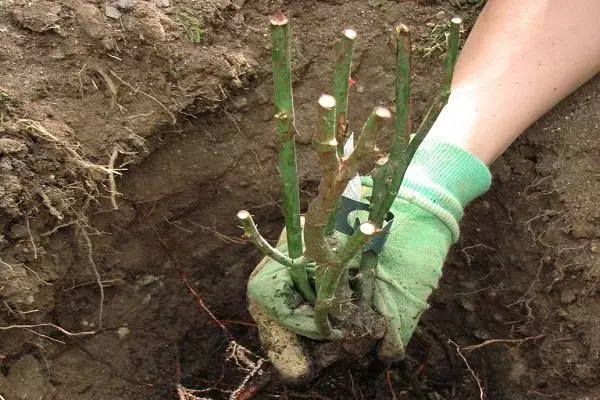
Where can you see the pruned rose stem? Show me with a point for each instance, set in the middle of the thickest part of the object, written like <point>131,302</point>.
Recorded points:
<point>330,264</point>
<point>284,119</point>
<point>389,176</point>
<point>337,169</point>
<point>251,232</point>
<point>341,84</point>
<point>442,98</point>
<point>453,43</point>
<point>329,277</point>
<point>317,217</point>
<point>333,184</point>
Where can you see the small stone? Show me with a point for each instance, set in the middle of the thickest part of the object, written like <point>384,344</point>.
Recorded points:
<point>595,248</point>
<point>562,313</point>
<point>145,21</point>
<point>125,5</point>
<point>112,12</point>
<point>238,19</point>
<point>57,54</point>
<point>162,3</point>
<point>467,305</point>
<point>146,280</point>
<point>360,88</point>
<point>91,20</point>
<point>481,334</point>
<point>5,164</point>
<point>123,332</point>
<point>10,146</point>
<point>236,83</point>
<point>239,102</point>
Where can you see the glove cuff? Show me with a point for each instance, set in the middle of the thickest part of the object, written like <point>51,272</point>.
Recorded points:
<point>442,179</point>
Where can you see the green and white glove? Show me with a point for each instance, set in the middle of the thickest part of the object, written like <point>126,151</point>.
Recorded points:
<point>441,180</point>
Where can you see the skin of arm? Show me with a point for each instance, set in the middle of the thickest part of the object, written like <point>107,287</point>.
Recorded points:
<point>520,60</point>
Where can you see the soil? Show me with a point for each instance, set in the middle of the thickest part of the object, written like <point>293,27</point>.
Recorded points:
<point>133,131</point>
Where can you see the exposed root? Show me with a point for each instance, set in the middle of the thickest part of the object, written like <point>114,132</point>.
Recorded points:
<point>94,269</point>
<point>468,256</point>
<point>173,119</point>
<point>241,356</point>
<point>540,214</point>
<point>35,273</point>
<point>48,203</point>
<point>49,325</point>
<point>493,341</point>
<point>112,88</point>
<point>211,230</point>
<point>43,133</point>
<point>111,177</point>
<point>473,374</point>
<point>34,248</point>
<point>38,130</point>
<point>58,227</point>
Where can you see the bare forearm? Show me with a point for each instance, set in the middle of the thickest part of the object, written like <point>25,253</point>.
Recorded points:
<point>521,58</point>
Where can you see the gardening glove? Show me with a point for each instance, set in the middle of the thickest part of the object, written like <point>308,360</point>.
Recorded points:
<point>441,180</point>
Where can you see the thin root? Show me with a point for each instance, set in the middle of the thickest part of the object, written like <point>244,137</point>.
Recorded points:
<point>473,374</point>
<point>493,341</point>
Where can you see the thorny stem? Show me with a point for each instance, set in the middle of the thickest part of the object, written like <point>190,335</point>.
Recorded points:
<point>364,147</point>
<point>330,265</point>
<point>251,232</point>
<point>284,118</point>
<point>453,42</point>
<point>403,71</point>
<point>442,98</point>
<point>341,84</point>
<point>315,228</point>
<point>332,187</point>
<point>389,176</point>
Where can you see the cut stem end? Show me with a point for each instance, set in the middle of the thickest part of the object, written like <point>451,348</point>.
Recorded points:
<point>243,215</point>
<point>368,228</point>
<point>279,19</point>
<point>383,113</point>
<point>456,20</point>
<point>327,102</point>
<point>350,34</point>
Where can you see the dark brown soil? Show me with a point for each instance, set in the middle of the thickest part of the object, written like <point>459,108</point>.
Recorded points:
<point>171,99</point>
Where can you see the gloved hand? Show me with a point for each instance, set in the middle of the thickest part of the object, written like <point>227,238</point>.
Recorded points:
<point>441,180</point>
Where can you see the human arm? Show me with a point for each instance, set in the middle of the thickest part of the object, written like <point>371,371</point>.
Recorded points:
<point>520,59</point>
